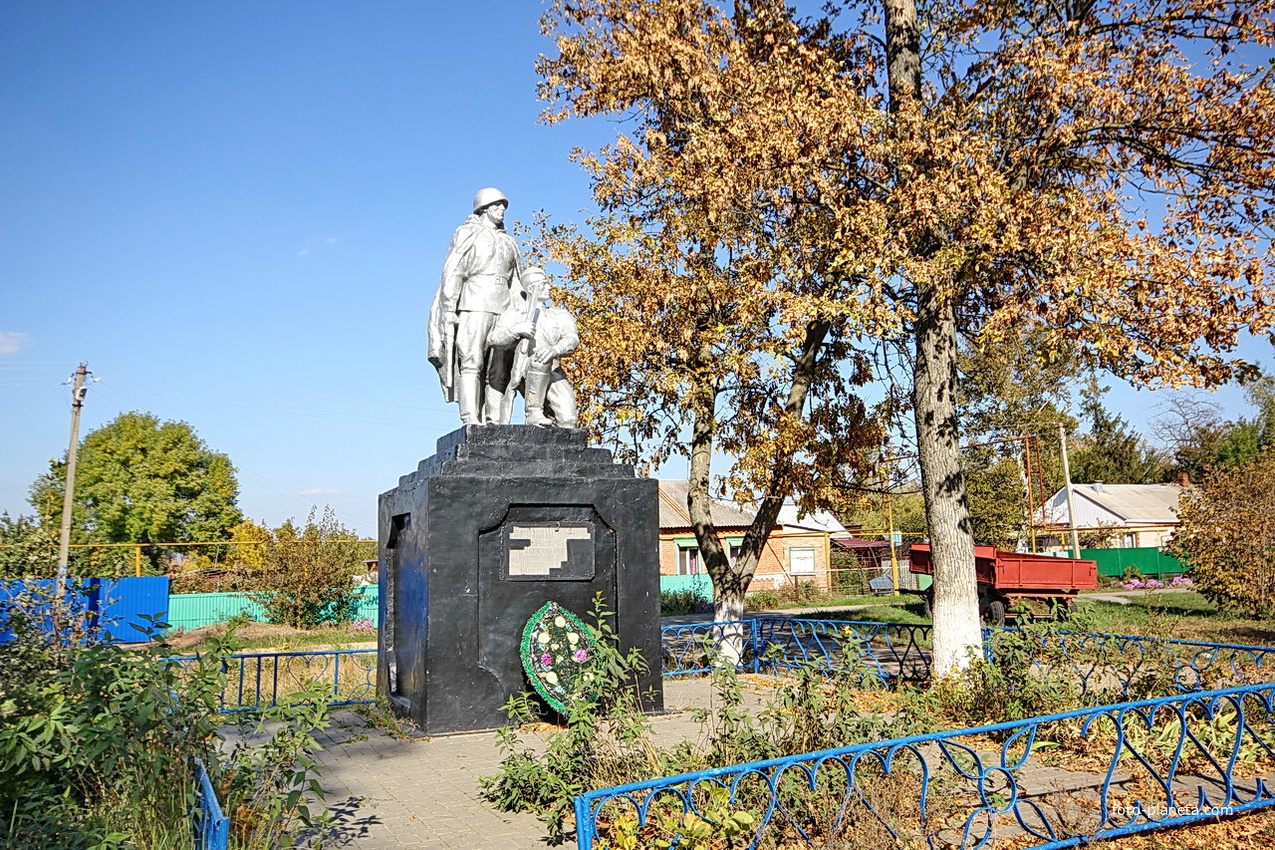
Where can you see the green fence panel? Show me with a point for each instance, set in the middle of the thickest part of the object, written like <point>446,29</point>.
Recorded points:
<point>1149,560</point>
<point>193,610</point>
<point>701,584</point>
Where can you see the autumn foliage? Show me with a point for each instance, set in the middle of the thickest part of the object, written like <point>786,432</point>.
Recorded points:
<point>794,208</point>
<point>1227,537</point>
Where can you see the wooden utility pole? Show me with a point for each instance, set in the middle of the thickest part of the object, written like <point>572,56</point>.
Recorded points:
<point>68,493</point>
<point>1071,502</point>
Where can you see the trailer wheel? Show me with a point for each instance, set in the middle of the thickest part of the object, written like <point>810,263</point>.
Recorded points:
<point>996,613</point>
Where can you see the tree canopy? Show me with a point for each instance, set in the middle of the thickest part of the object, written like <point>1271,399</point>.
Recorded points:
<point>140,480</point>
<point>1099,174</point>
<point>714,324</point>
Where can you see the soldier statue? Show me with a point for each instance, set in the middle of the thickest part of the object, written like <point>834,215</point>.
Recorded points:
<point>482,277</point>
<point>539,335</point>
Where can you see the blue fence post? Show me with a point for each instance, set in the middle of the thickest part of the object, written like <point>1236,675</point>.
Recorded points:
<point>756,654</point>
<point>212,827</point>
<point>585,832</point>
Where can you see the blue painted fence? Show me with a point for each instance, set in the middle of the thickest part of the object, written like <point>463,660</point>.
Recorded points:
<point>1105,668</point>
<point>1195,755</point>
<point>260,680</point>
<point>887,654</point>
<point>121,609</point>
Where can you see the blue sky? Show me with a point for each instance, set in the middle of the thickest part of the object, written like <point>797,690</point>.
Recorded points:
<point>236,213</point>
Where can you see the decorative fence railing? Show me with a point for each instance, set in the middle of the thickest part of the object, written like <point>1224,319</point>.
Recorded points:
<point>1114,770</point>
<point>1111,668</point>
<point>888,652</point>
<point>212,827</point>
<point>259,680</point>
<point>905,777</point>
<point>1105,668</point>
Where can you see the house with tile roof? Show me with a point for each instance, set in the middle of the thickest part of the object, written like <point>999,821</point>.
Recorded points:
<point>1134,515</point>
<point>799,548</point>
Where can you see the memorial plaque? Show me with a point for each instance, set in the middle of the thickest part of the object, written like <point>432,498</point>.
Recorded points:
<point>544,551</point>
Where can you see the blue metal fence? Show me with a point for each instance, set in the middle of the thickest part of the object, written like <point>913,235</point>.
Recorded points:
<point>260,680</point>
<point>117,609</point>
<point>1108,668</point>
<point>212,827</point>
<point>1121,667</point>
<point>1160,762</point>
<point>1104,667</point>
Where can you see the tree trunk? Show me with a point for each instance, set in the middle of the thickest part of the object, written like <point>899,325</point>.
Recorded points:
<point>731,581</point>
<point>957,635</point>
<point>729,585</point>
<point>955,594</point>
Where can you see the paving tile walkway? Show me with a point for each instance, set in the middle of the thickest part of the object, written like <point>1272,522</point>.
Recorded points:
<point>423,793</point>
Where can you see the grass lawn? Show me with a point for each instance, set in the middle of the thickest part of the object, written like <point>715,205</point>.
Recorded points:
<point>1184,615</point>
<point>907,610</point>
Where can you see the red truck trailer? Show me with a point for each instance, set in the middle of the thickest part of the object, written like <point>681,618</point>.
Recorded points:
<point>1006,580</point>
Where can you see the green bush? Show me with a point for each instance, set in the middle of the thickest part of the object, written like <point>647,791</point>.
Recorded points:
<point>309,573</point>
<point>766,600</point>
<point>677,602</point>
<point>98,742</point>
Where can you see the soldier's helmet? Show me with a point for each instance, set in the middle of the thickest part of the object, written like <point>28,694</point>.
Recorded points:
<point>487,197</point>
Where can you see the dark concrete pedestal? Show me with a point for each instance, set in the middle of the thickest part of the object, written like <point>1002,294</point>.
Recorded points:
<point>501,520</point>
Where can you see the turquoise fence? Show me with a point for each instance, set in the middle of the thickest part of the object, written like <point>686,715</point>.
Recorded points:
<point>701,584</point>
<point>192,610</point>
<point>1148,560</point>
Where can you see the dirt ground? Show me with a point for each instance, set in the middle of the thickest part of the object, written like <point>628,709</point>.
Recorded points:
<point>264,637</point>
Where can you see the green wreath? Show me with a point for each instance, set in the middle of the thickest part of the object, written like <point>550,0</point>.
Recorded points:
<point>559,654</point>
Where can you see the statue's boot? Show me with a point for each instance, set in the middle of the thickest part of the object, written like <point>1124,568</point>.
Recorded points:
<point>468,391</point>
<point>537,382</point>
<point>493,403</point>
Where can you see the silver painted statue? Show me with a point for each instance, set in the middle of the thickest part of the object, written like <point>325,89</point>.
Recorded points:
<point>538,335</point>
<point>482,277</point>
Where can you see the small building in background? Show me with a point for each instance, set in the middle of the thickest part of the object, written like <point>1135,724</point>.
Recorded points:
<point>1113,516</point>
<point>798,549</point>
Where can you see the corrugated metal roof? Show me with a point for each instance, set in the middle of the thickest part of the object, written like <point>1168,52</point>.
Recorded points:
<point>674,513</point>
<point>1134,504</point>
<point>789,517</point>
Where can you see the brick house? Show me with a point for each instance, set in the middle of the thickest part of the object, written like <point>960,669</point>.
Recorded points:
<point>799,549</point>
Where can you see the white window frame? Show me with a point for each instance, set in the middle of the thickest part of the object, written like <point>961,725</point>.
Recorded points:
<point>792,560</point>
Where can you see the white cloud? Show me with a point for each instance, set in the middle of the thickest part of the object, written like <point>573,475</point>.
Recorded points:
<point>320,491</point>
<point>11,342</point>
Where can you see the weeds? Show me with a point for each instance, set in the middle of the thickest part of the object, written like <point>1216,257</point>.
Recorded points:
<point>97,741</point>
<point>674,603</point>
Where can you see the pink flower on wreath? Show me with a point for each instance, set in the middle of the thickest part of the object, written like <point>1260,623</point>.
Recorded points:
<point>581,656</point>
<point>546,660</point>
